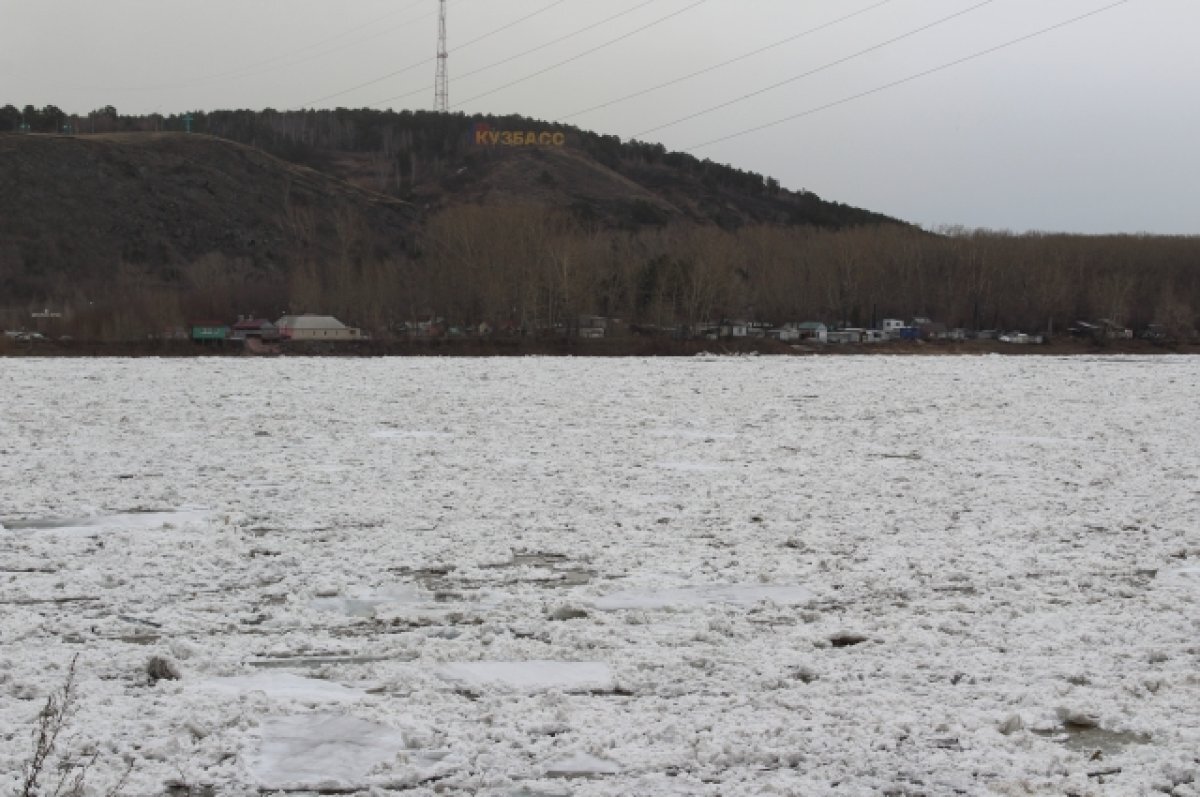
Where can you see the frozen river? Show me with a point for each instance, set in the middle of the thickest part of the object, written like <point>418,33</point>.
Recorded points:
<point>712,576</point>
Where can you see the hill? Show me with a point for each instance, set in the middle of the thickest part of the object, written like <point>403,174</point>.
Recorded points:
<point>78,209</point>
<point>360,213</point>
<point>386,218</point>
<point>439,160</point>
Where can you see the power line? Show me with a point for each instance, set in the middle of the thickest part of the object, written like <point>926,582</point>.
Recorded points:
<point>526,52</point>
<point>812,72</point>
<point>583,54</point>
<point>251,69</point>
<point>724,64</point>
<point>427,61</point>
<point>908,79</point>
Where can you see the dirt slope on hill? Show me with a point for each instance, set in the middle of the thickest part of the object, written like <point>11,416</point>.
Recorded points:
<point>613,193</point>
<point>438,160</point>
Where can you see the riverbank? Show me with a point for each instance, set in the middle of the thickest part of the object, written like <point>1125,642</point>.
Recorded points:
<point>613,347</point>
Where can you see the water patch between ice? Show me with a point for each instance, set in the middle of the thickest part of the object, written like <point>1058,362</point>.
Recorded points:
<point>1094,740</point>
<point>322,752</point>
<point>703,595</point>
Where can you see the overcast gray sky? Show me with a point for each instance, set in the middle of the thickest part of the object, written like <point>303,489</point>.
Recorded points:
<point>1093,127</point>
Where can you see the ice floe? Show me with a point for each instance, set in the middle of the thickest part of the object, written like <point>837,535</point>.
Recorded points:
<point>530,676</point>
<point>581,765</point>
<point>1181,576</point>
<point>322,752</point>
<point>364,602</point>
<point>116,521</point>
<point>281,686</point>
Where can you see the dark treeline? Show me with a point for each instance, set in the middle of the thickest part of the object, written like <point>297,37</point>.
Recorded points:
<point>521,268</point>
<point>493,263</point>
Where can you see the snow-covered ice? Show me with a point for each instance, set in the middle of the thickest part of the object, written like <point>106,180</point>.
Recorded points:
<point>321,751</point>
<point>361,602</point>
<point>117,521</point>
<point>697,596</point>
<point>281,686</point>
<point>530,676</point>
<point>581,765</point>
<point>719,576</point>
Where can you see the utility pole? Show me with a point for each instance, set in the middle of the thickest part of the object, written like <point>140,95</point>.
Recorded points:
<point>441,85</point>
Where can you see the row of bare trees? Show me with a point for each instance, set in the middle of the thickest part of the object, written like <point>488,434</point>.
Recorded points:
<point>523,267</point>
<point>486,263</point>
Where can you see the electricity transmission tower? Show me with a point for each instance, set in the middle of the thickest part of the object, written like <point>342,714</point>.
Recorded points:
<point>441,84</point>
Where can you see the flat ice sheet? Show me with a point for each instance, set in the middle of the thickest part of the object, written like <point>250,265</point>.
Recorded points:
<point>581,765</point>
<point>281,686</point>
<point>321,751</point>
<point>118,521</point>
<point>530,676</point>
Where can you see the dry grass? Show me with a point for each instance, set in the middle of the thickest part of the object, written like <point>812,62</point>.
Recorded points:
<point>53,720</point>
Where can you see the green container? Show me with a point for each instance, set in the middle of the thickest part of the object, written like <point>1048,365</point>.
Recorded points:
<point>205,332</point>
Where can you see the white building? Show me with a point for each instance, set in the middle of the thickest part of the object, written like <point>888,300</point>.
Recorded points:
<point>812,330</point>
<point>315,327</point>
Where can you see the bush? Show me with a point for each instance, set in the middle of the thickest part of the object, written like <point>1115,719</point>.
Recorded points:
<point>52,720</point>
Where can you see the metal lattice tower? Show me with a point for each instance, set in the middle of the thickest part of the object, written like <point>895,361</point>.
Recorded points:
<point>441,84</point>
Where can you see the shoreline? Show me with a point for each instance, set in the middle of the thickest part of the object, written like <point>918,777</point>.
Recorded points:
<point>605,348</point>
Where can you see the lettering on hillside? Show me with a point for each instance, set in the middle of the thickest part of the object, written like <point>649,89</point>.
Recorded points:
<point>485,136</point>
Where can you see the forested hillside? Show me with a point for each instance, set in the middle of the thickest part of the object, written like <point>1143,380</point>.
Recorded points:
<point>435,159</point>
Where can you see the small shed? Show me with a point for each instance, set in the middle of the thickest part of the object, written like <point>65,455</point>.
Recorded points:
<point>813,330</point>
<point>259,328</point>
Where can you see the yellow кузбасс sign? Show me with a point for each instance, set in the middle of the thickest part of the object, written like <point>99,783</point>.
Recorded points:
<point>483,135</point>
